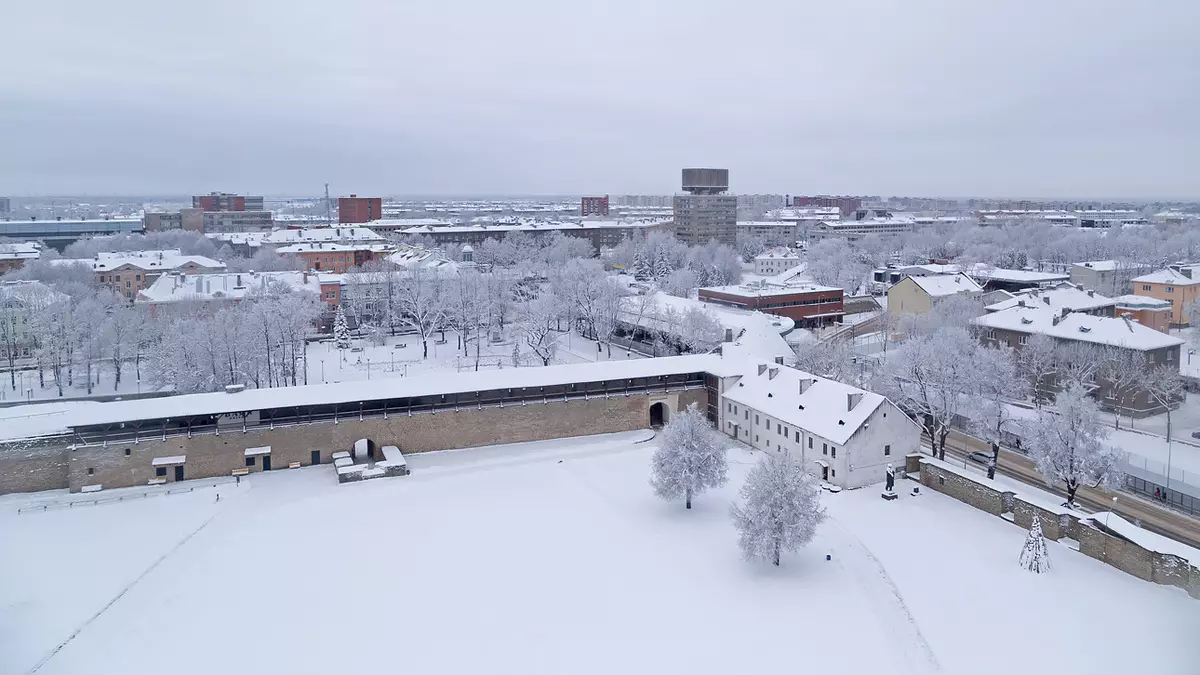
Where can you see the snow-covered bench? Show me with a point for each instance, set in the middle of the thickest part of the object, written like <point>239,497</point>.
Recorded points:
<point>343,461</point>
<point>351,472</point>
<point>341,455</point>
<point>393,461</point>
<point>91,488</point>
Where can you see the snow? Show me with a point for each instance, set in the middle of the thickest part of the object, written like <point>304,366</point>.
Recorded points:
<point>1140,302</point>
<point>941,285</point>
<point>252,452</point>
<point>1145,538</point>
<point>165,259</point>
<point>766,289</point>
<point>1166,276</point>
<point>532,225</point>
<point>1079,327</point>
<point>548,566</point>
<point>224,286</point>
<point>422,385</point>
<point>1064,296</point>
<point>287,237</point>
<point>989,273</point>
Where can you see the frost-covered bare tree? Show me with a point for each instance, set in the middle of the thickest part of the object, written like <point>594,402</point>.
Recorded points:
<point>931,377</point>
<point>1068,445</point>
<point>420,297</point>
<point>538,319</point>
<point>834,359</point>
<point>20,303</point>
<point>699,330</point>
<point>1123,370</point>
<point>1036,360</point>
<point>681,283</point>
<point>781,509</point>
<point>689,459</point>
<point>1164,385</point>
<point>997,384</point>
<point>1077,363</point>
<point>1034,555</point>
<point>466,310</point>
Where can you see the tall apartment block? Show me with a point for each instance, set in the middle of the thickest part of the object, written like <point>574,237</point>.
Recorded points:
<point>355,209</point>
<point>847,205</point>
<point>222,201</point>
<point>594,206</point>
<point>706,212</point>
<point>5,205</point>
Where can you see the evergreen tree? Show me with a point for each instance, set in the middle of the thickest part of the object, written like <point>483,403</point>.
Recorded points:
<point>689,459</point>
<point>782,509</point>
<point>641,265</point>
<point>341,334</point>
<point>662,265</point>
<point>1035,557</point>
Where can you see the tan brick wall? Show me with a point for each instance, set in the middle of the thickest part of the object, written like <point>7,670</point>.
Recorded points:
<point>980,496</point>
<point>211,455</point>
<point>1055,526</point>
<point>30,467</point>
<point>1125,556</point>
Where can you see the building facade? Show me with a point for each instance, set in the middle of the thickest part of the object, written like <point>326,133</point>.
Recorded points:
<point>1150,312</point>
<point>223,201</point>
<point>1109,277</point>
<point>706,213</point>
<point>846,205</point>
<point>14,256</point>
<point>355,209</point>
<point>1173,284</point>
<point>5,205</point>
<point>599,233</point>
<point>335,258</point>
<point>127,273</point>
<point>776,262</point>
<point>918,294</point>
<point>770,232</point>
<point>236,221</point>
<point>191,220</point>
<point>810,306</point>
<point>593,206</point>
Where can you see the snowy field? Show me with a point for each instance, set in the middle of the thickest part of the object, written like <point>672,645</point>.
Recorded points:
<point>553,557</point>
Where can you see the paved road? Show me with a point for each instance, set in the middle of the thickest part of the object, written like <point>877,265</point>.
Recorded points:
<point>1150,515</point>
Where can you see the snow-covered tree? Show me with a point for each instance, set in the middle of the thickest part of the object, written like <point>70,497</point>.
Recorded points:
<point>689,459</point>
<point>1068,445</point>
<point>538,318</point>
<point>699,330</point>
<point>341,333</point>
<point>680,283</point>
<point>1123,370</point>
<point>749,246</point>
<point>1036,359</point>
<point>782,509</point>
<point>420,298</point>
<point>662,266</point>
<point>997,383</point>
<point>1165,387</point>
<point>1034,556</point>
<point>641,266</point>
<point>834,359</point>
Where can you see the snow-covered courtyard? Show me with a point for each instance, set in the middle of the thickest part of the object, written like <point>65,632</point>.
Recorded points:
<point>553,557</point>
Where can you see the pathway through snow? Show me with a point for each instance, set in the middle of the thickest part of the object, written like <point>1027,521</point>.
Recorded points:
<point>879,589</point>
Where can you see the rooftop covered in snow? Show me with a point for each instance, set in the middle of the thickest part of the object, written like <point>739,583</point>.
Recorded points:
<point>1039,319</point>
<point>165,259</point>
<point>1062,296</point>
<point>224,286</point>
<point>942,285</point>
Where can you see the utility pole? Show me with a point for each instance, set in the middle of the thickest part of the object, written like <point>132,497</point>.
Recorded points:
<point>328,218</point>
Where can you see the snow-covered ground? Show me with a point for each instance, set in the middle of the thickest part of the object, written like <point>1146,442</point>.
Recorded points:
<point>553,557</point>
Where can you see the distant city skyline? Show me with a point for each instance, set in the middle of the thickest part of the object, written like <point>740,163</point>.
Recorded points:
<point>1024,99</point>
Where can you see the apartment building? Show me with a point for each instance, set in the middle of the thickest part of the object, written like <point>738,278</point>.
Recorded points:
<point>179,288</point>
<point>1173,284</point>
<point>1150,312</point>
<point>770,232</point>
<point>919,294</point>
<point>599,233</point>
<point>857,229</point>
<point>841,434</point>
<point>593,206</point>
<point>706,213</point>
<point>336,258</point>
<point>21,301</point>
<point>1014,326</point>
<point>236,221</point>
<point>248,243</point>
<point>129,272</point>
<point>223,201</point>
<point>1057,298</point>
<point>776,262</point>
<point>14,256</point>
<point>1106,276</point>
<point>355,209</point>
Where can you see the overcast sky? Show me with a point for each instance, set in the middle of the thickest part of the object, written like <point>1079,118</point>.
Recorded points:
<point>1039,98</point>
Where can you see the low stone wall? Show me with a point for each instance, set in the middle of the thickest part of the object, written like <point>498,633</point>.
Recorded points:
<point>1125,555</point>
<point>209,455</point>
<point>1055,524</point>
<point>980,496</point>
<point>32,466</point>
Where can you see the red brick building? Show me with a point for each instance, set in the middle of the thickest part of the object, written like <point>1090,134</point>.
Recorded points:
<point>223,201</point>
<point>594,206</point>
<point>810,306</point>
<point>355,209</point>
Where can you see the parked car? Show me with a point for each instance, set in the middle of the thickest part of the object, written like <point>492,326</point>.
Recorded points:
<point>980,456</point>
<point>1196,434</point>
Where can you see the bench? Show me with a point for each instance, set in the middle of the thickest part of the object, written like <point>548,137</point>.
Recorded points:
<point>156,481</point>
<point>240,472</point>
<point>341,455</point>
<point>91,488</point>
<point>293,465</point>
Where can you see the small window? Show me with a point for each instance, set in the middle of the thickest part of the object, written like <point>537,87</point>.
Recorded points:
<point>1024,339</point>
<point>747,414</point>
<point>250,460</point>
<point>833,473</point>
<point>768,442</point>
<point>887,450</point>
<point>756,420</point>
<point>126,452</point>
<point>824,448</point>
<point>1170,289</point>
<point>810,442</point>
<point>728,407</point>
<point>91,471</point>
<point>1145,287</point>
<point>755,438</point>
<point>833,452</point>
<point>160,471</point>
<point>941,480</point>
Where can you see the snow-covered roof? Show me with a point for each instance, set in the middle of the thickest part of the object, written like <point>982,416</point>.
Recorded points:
<point>283,237</point>
<point>1167,276</point>
<point>1081,327</point>
<point>529,225</point>
<point>785,254</point>
<point>223,286</point>
<point>433,384</point>
<point>26,290</point>
<point>1100,265</point>
<point>411,257</point>
<point>1063,296</point>
<point>762,289</point>
<point>989,273</point>
<point>823,408</point>
<point>941,285</point>
<point>1140,302</point>
<point>26,250</point>
<point>334,247</point>
<point>756,334</point>
<point>166,259</point>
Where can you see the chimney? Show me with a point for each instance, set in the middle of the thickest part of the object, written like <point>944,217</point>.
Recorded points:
<point>1021,303</point>
<point>1065,312</point>
<point>1054,321</point>
<point>805,383</point>
<point>239,280</point>
<point>1046,300</point>
<point>1091,294</point>
<point>762,368</point>
<point>779,360</point>
<point>772,373</point>
<point>852,400</point>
